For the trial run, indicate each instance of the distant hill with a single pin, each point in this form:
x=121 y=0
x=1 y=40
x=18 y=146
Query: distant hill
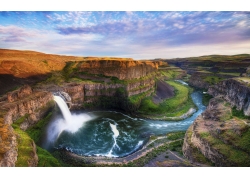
x=215 y=58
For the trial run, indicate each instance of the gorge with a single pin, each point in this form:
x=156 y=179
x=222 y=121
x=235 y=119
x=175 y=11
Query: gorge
x=92 y=111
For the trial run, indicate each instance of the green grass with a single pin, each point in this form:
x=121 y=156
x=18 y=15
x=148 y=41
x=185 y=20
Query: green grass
x=135 y=99
x=239 y=141
x=55 y=78
x=45 y=159
x=176 y=135
x=233 y=155
x=175 y=106
x=25 y=144
x=213 y=79
x=229 y=73
x=171 y=73
x=25 y=147
x=239 y=113
x=35 y=131
x=19 y=121
x=196 y=154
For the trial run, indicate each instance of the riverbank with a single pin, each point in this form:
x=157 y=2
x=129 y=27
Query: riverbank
x=177 y=107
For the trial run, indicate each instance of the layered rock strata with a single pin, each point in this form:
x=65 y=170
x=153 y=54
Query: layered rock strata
x=31 y=106
x=235 y=91
x=129 y=69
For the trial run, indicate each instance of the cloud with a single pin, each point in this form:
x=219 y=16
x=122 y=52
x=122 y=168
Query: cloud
x=14 y=34
x=127 y=34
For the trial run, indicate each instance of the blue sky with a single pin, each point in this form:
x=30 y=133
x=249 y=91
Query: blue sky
x=135 y=34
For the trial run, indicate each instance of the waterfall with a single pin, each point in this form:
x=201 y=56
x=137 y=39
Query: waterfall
x=64 y=108
x=70 y=122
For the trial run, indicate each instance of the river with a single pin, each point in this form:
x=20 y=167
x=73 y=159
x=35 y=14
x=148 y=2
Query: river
x=110 y=133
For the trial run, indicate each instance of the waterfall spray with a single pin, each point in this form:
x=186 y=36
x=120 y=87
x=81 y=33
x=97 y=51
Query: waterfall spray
x=70 y=122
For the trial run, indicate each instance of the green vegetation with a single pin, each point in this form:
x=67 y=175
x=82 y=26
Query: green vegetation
x=68 y=70
x=218 y=58
x=239 y=141
x=26 y=145
x=170 y=74
x=175 y=106
x=196 y=154
x=174 y=146
x=176 y=135
x=55 y=78
x=206 y=98
x=45 y=159
x=235 y=156
x=19 y=121
x=239 y=113
x=134 y=101
x=213 y=79
x=35 y=131
x=107 y=102
x=25 y=148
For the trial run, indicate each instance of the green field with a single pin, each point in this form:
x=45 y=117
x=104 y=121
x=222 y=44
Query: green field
x=172 y=107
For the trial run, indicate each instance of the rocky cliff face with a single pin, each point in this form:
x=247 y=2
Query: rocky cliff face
x=129 y=69
x=8 y=145
x=26 y=103
x=218 y=136
x=93 y=93
x=197 y=80
x=35 y=106
x=235 y=91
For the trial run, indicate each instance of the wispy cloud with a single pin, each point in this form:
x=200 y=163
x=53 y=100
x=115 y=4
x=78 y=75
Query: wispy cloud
x=133 y=34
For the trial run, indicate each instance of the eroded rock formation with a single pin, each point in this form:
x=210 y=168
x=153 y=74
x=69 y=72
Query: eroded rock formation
x=128 y=69
x=235 y=91
x=26 y=103
x=197 y=80
x=218 y=136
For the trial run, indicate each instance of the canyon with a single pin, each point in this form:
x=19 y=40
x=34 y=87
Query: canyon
x=28 y=80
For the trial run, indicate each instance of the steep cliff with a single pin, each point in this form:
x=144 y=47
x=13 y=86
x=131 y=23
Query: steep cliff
x=123 y=70
x=28 y=107
x=219 y=136
x=8 y=145
x=236 y=91
x=198 y=80
x=108 y=95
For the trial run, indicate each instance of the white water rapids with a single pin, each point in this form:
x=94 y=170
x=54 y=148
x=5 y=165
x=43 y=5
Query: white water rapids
x=116 y=134
x=109 y=133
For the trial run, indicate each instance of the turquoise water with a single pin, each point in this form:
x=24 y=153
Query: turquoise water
x=110 y=133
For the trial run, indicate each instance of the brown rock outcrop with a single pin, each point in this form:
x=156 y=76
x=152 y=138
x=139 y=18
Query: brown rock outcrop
x=8 y=145
x=32 y=105
x=120 y=69
x=18 y=94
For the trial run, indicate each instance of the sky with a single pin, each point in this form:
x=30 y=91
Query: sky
x=132 y=34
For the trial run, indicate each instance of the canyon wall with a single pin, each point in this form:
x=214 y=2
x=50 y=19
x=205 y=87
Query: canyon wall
x=30 y=106
x=235 y=91
x=127 y=70
x=218 y=136
x=108 y=95
x=197 y=80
